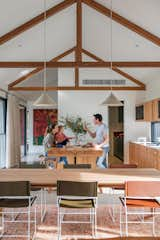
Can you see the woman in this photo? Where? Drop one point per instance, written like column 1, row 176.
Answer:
column 49, row 138
column 49, row 141
column 61, row 140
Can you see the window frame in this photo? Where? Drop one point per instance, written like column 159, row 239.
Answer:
column 5, row 114
column 5, row 125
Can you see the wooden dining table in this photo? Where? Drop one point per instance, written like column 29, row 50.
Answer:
column 104, row 177
column 77, row 154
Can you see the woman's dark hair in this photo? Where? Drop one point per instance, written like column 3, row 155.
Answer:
column 50, row 128
column 98, row 116
column 60, row 127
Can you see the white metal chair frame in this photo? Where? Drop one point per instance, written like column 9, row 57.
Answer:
column 141, row 213
column 92, row 213
column 14, row 220
column 43, row 203
column 114, row 192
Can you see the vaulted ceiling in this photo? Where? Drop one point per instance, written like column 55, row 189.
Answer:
column 128, row 46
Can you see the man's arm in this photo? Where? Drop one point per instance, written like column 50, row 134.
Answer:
column 92, row 134
column 106, row 141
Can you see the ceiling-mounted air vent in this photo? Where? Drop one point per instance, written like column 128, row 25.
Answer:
column 109, row 82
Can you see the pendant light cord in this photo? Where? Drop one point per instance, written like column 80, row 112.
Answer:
column 111, row 41
column 45, row 49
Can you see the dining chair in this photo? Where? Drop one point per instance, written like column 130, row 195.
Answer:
column 42, row 191
column 117, row 189
column 139, row 198
column 16, row 195
column 77, row 166
column 117, row 166
column 124, row 165
column 77, row 195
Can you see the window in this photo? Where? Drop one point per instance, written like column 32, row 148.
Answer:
column 2, row 133
column 155, row 132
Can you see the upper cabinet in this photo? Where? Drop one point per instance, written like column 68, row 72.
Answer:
column 156, row 110
column 148, row 111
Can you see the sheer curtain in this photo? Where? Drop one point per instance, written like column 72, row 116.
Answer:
column 2, row 135
column 13, row 155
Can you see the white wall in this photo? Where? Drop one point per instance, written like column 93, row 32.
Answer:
column 2, row 94
column 153, row 87
column 86, row 103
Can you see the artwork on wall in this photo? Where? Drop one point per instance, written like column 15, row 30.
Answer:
column 41, row 119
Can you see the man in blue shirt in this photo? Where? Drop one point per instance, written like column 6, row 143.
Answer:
column 102, row 139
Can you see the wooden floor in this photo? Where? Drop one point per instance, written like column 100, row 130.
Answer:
column 125, row 238
column 114, row 160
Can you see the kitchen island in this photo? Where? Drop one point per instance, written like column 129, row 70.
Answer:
column 144, row 155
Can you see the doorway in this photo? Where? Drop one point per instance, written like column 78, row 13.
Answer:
column 116, row 134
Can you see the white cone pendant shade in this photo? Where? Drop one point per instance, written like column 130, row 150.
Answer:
column 112, row 100
column 44, row 101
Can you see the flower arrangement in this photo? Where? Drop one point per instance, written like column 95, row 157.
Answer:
column 74, row 123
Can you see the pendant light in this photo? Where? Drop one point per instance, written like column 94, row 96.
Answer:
column 111, row 100
column 44, row 100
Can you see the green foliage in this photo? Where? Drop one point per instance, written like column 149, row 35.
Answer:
column 74, row 123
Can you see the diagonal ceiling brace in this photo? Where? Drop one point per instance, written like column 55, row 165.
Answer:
column 38, row 69
column 115, row 69
column 123, row 21
column 36, row 20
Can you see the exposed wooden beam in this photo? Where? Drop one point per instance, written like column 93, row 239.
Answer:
column 34, row 21
column 91, row 55
column 78, row 52
column 80, row 88
column 129, row 77
column 107, row 64
column 79, row 32
column 62, row 55
column 115, row 69
column 38, row 69
column 76, row 77
column 123, row 21
column 26, row 76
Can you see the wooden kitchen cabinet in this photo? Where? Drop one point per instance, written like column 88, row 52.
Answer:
column 144, row 156
column 136, row 154
column 132, row 158
column 148, row 111
column 156, row 110
column 151, row 158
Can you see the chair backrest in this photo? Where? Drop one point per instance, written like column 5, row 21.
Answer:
column 32, row 165
column 77, row 166
column 20, row 188
column 83, row 189
column 142, row 188
column 123, row 165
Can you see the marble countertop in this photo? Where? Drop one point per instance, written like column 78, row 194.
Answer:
column 148, row 144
